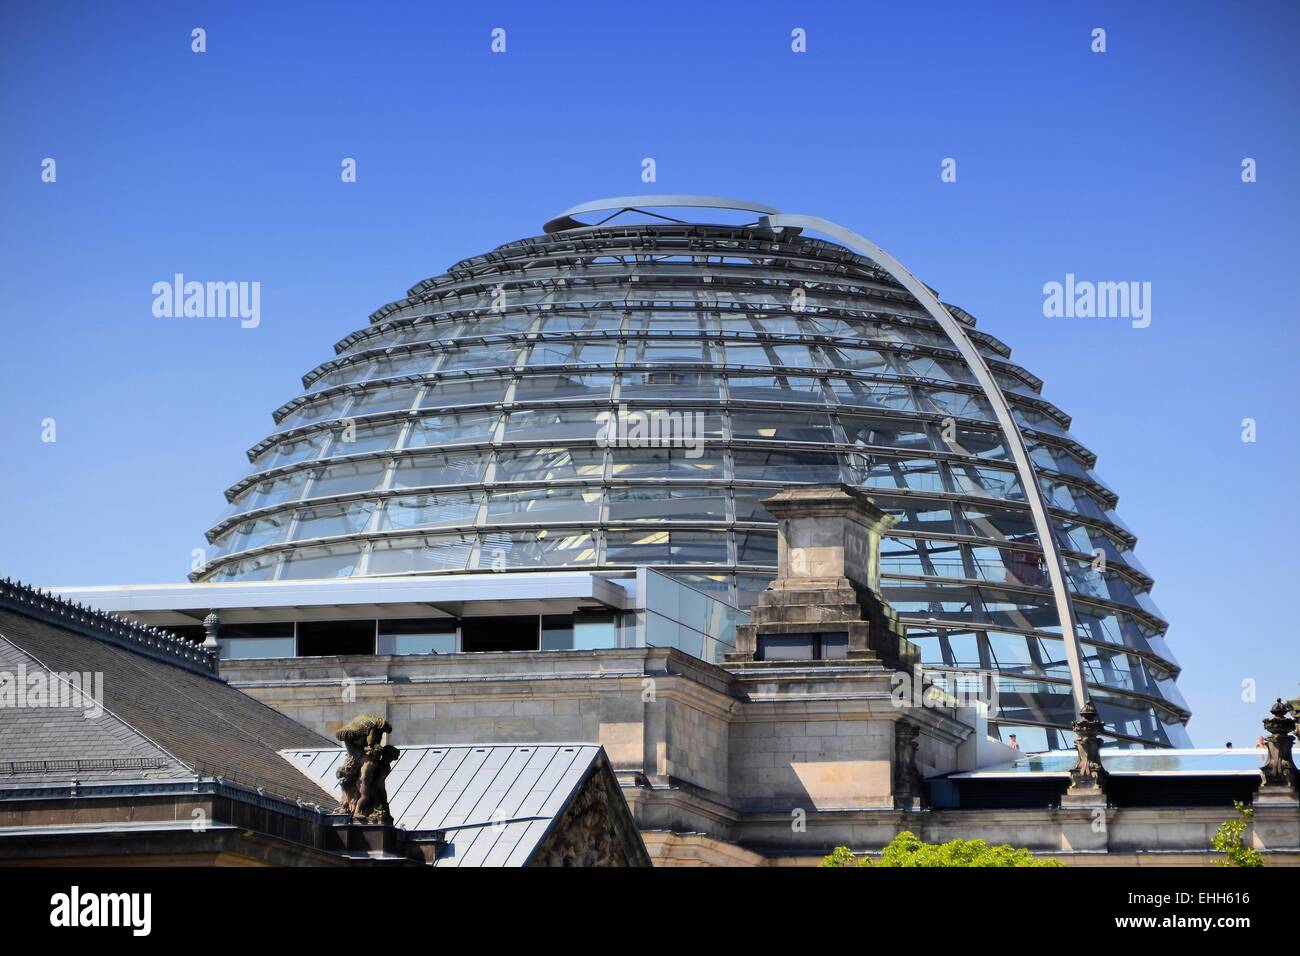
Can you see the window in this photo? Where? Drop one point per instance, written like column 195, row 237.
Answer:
column 328, row 638
column 241, row 642
column 430, row 511
column 544, row 504
column 557, row 633
column 326, row 520
column 427, row 470
column 483, row 634
column 818, row 646
column 452, row 428
column 418, row 636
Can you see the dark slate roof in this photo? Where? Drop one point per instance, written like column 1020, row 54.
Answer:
column 50, row 739
column 163, row 709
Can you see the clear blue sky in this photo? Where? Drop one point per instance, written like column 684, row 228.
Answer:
column 225, row 165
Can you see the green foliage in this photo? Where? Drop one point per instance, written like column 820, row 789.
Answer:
column 842, row 856
column 906, row 849
column 1228, row 839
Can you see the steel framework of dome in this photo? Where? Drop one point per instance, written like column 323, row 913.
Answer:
column 468, row 426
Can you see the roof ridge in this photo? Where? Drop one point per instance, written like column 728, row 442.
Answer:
column 105, row 627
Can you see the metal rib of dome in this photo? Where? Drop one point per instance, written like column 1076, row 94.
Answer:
column 466, row 428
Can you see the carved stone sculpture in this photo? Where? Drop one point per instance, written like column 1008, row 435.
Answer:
column 1280, row 769
column 365, row 769
column 584, row 836
column 1088, row 773
column 909, row 791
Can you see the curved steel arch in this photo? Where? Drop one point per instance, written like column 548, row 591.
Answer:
column 1015, row 441
column 565, row 219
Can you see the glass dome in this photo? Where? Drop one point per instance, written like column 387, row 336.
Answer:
column 626, row 393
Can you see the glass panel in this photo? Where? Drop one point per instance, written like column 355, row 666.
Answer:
column 386, row 399
column 805, row 467
column 677, row 351
column 783, row 426
column 419, row 471
column 974, row 480
column 548, row 424
column 515, row 549
column 479, row 356
column 749, row 504
column 756, row 547
column 329, row 520
column 547, row 387
column 435, row 552
column 602, row 352
column 550, row 464
column 666, row 503
column 960, row 404
column 346, row 477
column 927, row 366
column 593, row 630
column 260, row 568
column 401, row 363
column 1001, row 525
column 465, row 391
column 433, row 636
column 667, row 462
column 665, row 546
column 493, row 325
column 860, row 360
column 330, row 561
column 974, row 442
column 293, row 450
column 317, row 411
column 359, row 439
column 873, row 394
column 253, row 648
column 544, row 504
column 582, row 322
column 557, row 633
column 428, row 511
column 774, row 388
column 786, row 647
column 670, row 384
column 254, row 534
column 352, row 371
column 465, row 427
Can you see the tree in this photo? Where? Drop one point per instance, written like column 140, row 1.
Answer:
column 907, row 849
column 1228, row 839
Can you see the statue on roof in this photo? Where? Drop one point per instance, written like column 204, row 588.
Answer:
column 1280, row 768
column 365, row 769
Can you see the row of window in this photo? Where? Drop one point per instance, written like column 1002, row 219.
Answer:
column 399, row 553
column 607, row 293
column 1034, row 656
column 640, row 322
column 708, row 389
column 649, row 351
column 873, row 472
column 583, row 630
column 632, row 425
column 658, row 504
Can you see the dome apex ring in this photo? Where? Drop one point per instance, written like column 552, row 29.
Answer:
column 566, row 220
